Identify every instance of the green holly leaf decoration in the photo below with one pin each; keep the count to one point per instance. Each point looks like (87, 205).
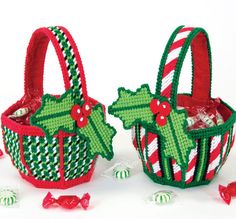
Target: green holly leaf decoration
(98, 134)
(54, 114)
(176, 141)
(144, 108)
(133, 107)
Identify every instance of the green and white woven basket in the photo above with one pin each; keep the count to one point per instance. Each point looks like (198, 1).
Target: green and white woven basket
(50, 152)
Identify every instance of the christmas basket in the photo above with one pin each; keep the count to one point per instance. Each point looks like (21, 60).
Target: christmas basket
(54, 140)
(171, 152)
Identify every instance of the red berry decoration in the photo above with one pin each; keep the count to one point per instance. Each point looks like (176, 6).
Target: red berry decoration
(161, 110)
(155, 106)
(161, 120)
(87, 108)
(165, 108)
(76, 112)
(1, 153)
(82, 121)
(80, 115)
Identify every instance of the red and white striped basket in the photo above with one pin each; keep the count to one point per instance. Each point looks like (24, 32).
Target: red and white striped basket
(213, 144)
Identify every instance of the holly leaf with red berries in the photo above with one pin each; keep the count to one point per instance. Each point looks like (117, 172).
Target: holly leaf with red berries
(176, 140)
(87, 121)
(98, 134)
(54, 114)
(142, 107)
(133, 107)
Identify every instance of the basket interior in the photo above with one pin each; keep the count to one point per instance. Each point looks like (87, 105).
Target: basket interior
(25, 101)
(185, 100)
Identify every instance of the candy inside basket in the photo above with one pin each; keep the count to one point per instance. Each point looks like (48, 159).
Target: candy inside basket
(203, 115)
(200, 115)
(28, 106)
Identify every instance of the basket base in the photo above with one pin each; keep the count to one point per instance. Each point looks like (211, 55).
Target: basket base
(62, 184)
(181, 185)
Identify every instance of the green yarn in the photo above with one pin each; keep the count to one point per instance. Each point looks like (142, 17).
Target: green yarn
(77, 162)
(229, 144)
(139, 148)
(133, 107)
(12, 141)
(175, 140)
(98, 134)
(204, 148)
(166, 166)
(54, 114)
(42, 157)
(72, 67)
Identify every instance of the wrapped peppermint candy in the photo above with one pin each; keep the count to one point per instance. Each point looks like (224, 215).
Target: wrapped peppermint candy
(192, 120)
(20, 112)
(201, 117)
(219, 118)
(207, 119)
(66, 201)
(29, 107)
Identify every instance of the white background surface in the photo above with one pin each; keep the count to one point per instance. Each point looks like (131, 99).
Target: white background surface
(121, 43)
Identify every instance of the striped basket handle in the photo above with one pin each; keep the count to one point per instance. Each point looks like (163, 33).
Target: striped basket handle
(172, 60)
(69, 59)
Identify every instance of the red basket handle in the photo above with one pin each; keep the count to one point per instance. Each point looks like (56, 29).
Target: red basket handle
(172, 61)
(69, 59)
